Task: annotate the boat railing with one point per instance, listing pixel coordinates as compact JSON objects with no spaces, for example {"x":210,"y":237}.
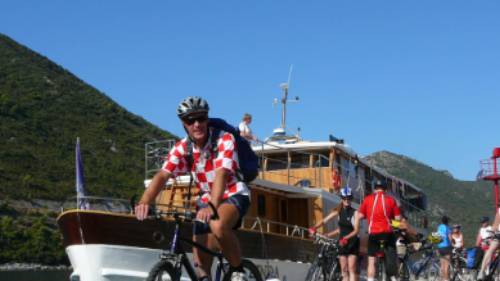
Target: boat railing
{"x":154,"y":155}
{"x":274,"y":227}
{"x":96,"y":203}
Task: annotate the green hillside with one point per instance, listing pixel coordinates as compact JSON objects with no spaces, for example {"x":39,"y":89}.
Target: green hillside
{"x":43,"y":109}
{"x":464,"y":201}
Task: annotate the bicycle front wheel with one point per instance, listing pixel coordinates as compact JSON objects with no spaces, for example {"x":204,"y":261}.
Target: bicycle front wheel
{"x":163,"y":271}
{"x":404,"y":271}
{"x":335,"y":273}
{"x":433,"y":272}
{"x":250,"y":272}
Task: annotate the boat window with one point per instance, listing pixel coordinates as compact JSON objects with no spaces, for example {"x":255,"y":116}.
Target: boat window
{"x":261,"y":205}
{"x":277,"y":162}
{"x":322,"y":162}
{"x":284,"y":211}
{"x":300,"y":160}
{"x":303,"y":183}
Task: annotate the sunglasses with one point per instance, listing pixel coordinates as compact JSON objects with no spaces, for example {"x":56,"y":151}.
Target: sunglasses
{"x":191,"y":119}
{"x":347,"y":198}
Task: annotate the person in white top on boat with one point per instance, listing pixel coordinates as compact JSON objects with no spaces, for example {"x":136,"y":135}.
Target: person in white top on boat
{"x":244,"y":127}
{"x":457,"y":237}
{"x":223,"y":200}
{"x":492,"y":247}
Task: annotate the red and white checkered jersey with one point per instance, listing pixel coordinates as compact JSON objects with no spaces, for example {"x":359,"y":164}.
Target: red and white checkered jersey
{"x":205,"y":161}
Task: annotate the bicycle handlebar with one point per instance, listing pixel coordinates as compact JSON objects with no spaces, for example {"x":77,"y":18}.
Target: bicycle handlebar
{"x":324,"y":240}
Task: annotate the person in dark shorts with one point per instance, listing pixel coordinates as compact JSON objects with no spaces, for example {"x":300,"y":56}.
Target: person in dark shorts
{"x":379,"y":209}
{"x":348,"y":236}
{"x":444,"y":248}
{"x":210,"y":158}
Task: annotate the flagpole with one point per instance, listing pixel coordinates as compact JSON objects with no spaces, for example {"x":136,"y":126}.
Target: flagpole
{"x":77,"y":156}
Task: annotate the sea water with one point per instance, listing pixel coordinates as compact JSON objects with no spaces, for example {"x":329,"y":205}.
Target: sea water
{"x":35,"y":275}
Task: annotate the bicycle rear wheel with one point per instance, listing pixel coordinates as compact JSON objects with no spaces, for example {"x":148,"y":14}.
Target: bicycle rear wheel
{"x":163,"y":271}
{"x":250,"y":271}
{"x":381,"y":274}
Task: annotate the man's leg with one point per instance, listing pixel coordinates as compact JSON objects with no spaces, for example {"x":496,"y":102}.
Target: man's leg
{"x":202,"y":259}
{"x":223,"y":230}
{"x":370,"y":273}
{"x":487,"y":258}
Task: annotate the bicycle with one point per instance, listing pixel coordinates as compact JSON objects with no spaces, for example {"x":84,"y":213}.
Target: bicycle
{"x":173,"y":259}
{"x":458,"y":266}
{"x":426,"y":267}
{"x":381,"y":261}
{"x":326,"y":266}
{"x":492,"y":274}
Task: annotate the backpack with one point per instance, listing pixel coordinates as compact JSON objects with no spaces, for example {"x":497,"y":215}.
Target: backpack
{"x":248,"y":161}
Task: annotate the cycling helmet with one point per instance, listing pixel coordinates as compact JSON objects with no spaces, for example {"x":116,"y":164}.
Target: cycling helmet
{"x":380,"y":183}
{"x":192,"y":105}
{"x":457,"y":226}
{"x":485,"y":219}
{"x":346,"y":192}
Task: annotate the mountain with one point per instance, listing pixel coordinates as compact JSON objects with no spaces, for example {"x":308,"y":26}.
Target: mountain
{"x":43,"y":109}
{"x":465,"y":202}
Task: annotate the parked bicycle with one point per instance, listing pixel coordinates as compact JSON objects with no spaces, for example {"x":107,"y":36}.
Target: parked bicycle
{"x":326,"y":266}
{"x":172,"y":260}
{"x":382,"y":263}
{"x":458,"y":266}
{"x":427,"y":267}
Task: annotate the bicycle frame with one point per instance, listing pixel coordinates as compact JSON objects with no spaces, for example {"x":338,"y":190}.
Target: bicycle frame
{"x":178,"y":255}
{"x":426,"y":263}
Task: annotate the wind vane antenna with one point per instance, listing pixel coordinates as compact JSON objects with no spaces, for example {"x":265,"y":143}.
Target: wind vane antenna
{"x":285,"y":87}
{"x":289,"y":75}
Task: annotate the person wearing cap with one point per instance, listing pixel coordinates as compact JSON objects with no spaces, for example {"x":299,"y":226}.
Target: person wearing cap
{"x":223,"y":199}
{"x":379,"y":209}
{"x":444,"y":248}
{"x":492,"y":247}
{"x":348,"y":236}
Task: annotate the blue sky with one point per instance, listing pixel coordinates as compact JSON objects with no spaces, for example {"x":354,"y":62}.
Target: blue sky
{"x":419,"y":78}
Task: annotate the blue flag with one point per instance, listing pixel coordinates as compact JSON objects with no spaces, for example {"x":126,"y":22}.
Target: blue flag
{"x":80,"y":180}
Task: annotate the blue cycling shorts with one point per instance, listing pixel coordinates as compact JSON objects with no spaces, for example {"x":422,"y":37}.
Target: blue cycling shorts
{"x":241,"y":202}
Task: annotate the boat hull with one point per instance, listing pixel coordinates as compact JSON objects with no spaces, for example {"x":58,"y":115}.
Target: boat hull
{"x":104,"y":246}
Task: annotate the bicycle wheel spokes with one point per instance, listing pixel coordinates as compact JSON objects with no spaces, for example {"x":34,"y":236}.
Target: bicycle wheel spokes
{"x":433,"y":272}
{"x":250,"y":273}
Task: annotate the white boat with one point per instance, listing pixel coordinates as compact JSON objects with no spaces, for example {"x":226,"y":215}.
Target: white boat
{"x":296,"y":187}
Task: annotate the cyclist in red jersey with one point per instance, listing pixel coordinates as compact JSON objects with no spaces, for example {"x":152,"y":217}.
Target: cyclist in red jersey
{"x":379,"y":208}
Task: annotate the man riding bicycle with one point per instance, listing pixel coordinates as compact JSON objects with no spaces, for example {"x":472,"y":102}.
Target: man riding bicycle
{"x":379,"y":209}
{"x":222,"y":194}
